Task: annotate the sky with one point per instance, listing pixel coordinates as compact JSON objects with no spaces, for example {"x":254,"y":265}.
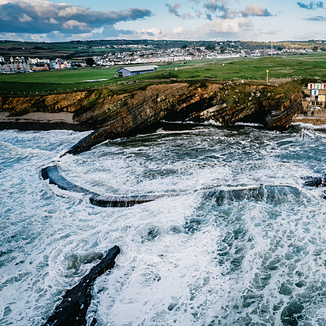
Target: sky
{"x":215,"y":20}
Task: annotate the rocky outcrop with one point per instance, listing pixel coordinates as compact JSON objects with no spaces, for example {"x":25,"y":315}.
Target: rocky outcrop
{"x":73,"y":308}
{"x":126,"y":114}
{"x":54,"y":176}
{"x":118,"y":114}
{"x":266,"y":193}
{"x":54,"y":103}
{"x":271,"y":106}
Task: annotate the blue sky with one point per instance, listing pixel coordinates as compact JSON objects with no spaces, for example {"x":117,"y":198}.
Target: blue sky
{"x":261,"y":20}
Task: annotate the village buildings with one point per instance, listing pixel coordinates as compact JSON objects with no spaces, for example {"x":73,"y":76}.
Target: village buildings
{"x":20,"y":65}
{"x":314,"y":102}
{"x":141,"y":54}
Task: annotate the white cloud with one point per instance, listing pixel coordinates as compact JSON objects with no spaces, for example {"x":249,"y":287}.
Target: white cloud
{"x":256,"y":10}
{"x":24,"y":18}
{"x":177,"y":30}
{"x":233,"y":26}
{"x":237,"y":28}
{"x":33,"y":16}
{"x":53,"y":21}
{"x":71,"y":24}
{"x":69,"y":11}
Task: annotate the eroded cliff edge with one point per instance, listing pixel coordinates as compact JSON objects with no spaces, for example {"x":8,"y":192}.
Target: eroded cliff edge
{"x":121,"y":113}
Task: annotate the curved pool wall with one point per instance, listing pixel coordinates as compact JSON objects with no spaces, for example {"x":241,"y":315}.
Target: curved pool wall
{"x":54,"y":176}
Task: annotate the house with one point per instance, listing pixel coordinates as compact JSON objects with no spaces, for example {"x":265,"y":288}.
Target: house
{"x":133,"y":71}
{"x":314,"y":101}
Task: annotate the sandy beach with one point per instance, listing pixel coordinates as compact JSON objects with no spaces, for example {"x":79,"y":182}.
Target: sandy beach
{"x":40,"y":121}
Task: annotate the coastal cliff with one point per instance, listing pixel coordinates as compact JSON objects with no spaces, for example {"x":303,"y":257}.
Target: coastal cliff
{"x":124,"y":113}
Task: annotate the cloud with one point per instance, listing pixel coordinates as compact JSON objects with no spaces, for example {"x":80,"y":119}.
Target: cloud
{"x":187,"y":15}
{"x":198,"y":13}
{"x":316,"y":19}
{"x":24,"y":18}
{"x":152,"y":32}
{"x":221,"y":10}
{"x":218,"y":29}
{"x":217,"y":9}
{"x":311,"y":6}
{"x":209,"y":16}
{"x":42,"y":16}
{"x":72,"y":24}
{"x":110,"y":32}
{"x":226,"y":26}
{"x":255,"y":10}
{"x":212,"y":6}
{"x":173,"y":9}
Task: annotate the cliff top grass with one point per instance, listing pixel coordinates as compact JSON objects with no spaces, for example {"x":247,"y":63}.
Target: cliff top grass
{"x":253,"y":70}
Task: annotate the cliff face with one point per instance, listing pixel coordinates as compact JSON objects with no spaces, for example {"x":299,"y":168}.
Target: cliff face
{"x":127,"y":113}
{"x":272,"y":106}
{"x":20,"y":105}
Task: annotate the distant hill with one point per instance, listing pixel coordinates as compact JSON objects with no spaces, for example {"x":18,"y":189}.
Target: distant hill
{"x":82,"y":49}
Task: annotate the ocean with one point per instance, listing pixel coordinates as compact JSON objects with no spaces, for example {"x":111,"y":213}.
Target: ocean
{"x":238,"y":240}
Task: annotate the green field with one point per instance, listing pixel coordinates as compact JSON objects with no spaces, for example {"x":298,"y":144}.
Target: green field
{"x":310,"y":66}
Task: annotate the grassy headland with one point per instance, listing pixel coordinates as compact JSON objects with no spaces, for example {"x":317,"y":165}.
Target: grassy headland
{"x":307,"y":66}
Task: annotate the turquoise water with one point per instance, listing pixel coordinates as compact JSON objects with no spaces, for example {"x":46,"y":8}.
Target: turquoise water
{"x":192,"y":259}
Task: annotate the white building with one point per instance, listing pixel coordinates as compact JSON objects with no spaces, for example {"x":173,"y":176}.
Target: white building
{"x":133,"y":71}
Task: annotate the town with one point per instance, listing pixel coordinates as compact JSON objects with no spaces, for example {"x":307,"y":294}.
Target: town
{"x":148,"y":53}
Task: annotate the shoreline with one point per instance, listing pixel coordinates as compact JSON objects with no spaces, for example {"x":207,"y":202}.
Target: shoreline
{"x":315,"y":121}
{"x":41,"y":121}
{"x":64,"y":121}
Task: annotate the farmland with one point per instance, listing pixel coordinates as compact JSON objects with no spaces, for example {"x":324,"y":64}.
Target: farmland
{"x":308,"y":66}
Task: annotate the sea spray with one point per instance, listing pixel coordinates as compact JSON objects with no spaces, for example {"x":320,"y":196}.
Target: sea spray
{"x":185,"y":260}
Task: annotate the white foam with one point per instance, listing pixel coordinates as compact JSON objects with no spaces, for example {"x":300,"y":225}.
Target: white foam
{"x":185,"y":260}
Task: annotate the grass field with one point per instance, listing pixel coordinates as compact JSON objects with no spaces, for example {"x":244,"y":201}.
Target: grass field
{"x":249,"y":69}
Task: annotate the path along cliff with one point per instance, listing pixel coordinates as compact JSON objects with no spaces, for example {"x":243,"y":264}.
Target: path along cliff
{"x":116,"y":114}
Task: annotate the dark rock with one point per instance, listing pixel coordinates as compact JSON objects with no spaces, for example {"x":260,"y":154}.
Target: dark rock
{"x":122,"y":201}
{"x":73,"y":308}
{"x":268,"y":193}
{"x":292,"y":314}
{"x":52,"y":174}
{"x":285,"y":289}
{"x":315,"y":181}
{"x":128,"y":114}
{"x":301,"y":284}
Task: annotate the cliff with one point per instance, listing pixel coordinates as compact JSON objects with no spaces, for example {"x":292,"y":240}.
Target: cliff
{"x":119,"y":114}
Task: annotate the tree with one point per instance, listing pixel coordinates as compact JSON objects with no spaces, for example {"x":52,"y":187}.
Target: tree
{"x":90,"y":62}
{"x":210,"y":47}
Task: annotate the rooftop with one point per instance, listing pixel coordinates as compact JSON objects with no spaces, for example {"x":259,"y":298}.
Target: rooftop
{"x":140,"y":68}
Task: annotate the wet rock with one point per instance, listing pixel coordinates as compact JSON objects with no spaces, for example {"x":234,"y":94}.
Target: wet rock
{"x":292,"y":314}
{"x":268,"y":193}
{"x":285,"y":289}
{"x":315,"y":181}
{"x":301,"y":284}
{"x":54,"y":176}
{"x":74,"y":261}
{"x":73,"y":308}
